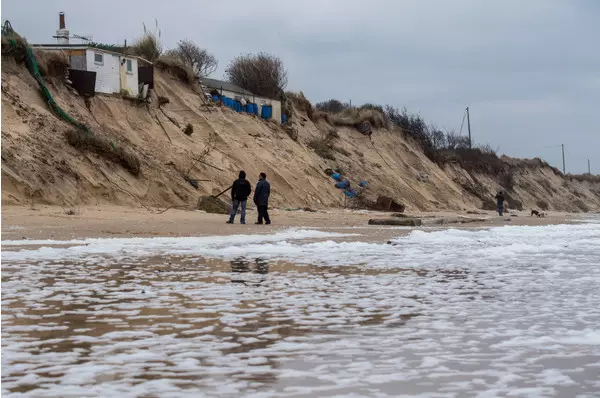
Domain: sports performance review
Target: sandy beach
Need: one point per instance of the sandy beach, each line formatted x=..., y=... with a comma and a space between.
x=52, y=222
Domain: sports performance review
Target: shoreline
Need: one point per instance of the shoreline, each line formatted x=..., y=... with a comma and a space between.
x=51, y=222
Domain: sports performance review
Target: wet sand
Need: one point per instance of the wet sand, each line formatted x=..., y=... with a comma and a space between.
x=50, y=222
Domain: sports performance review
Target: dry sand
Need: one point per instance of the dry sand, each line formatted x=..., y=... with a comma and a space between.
x=49, y=222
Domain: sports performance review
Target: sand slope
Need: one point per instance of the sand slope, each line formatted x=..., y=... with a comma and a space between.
x=39, y=165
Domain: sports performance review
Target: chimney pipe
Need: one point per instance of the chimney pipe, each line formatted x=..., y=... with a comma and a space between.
x=62, y=33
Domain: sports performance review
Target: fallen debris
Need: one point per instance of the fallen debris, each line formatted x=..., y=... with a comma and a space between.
x=211, y=204
x=403, y=222
x=385, y=203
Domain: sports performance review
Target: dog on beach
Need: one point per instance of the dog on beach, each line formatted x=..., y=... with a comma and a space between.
x=538, y=213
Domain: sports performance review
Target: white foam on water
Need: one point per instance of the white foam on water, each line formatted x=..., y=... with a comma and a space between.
x=508, y=311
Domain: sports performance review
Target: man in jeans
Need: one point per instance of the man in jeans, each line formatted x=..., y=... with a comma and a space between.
x=240, y=190
x=500, y=202
x=261, y=198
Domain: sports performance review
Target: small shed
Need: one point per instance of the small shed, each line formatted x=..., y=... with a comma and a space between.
x=115, y=73
x=230, y=90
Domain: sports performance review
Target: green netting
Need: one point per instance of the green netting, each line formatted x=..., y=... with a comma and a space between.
x=33, y=68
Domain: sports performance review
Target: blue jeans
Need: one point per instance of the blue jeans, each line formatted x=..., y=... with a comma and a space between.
x=500, y=209
x=234, y=208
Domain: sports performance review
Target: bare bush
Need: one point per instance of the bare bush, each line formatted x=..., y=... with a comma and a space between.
x=438, y=139
x=454, y=141
x=332, y=106
x=198, y=59
x=149, y=46
x=262, y=74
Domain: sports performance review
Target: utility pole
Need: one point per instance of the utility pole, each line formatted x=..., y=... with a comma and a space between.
x=589, y=169
x=563, y=154
x=469, y=128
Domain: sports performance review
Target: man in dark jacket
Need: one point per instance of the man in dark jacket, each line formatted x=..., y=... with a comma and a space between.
x=261, y=198
x=240, y=190
x=500, y=201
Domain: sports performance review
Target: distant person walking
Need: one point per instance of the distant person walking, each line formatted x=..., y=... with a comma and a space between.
x=240, y=190
x=261, y=198
x=500, y=201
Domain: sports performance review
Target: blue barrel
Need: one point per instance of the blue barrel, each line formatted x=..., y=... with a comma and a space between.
x=283, y=118
x=343, y=185
x=336, y=176
x=215, y=98
x=230, y=102
x=267, y=112
x=238, y=106
x=255, y=106
x=250, y=108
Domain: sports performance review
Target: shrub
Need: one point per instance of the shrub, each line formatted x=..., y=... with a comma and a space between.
x=261, y=74
x=52, y=63
x=189, y=129
x=300, y=102
x=319, y=115
x=198, y=59
x=322, y=148
x=148, y=46
x=86, y=141
x=542, y=204
x=355, y=117
x=174, y=66
x=332, y=106
x=591, y=178
x=163, y=100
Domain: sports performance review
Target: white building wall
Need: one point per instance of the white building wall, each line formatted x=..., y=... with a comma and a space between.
x=107, y=72
x=129, y=80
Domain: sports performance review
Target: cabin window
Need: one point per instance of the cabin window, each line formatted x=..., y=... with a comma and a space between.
x=129, y=66
x=99, y=58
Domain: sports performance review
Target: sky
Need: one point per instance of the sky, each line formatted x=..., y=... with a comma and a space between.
x=528, y=70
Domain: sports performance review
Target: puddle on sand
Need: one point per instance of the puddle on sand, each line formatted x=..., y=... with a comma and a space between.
x=181, y=325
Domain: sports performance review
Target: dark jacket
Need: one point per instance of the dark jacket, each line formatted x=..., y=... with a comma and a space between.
x=500, y=199
x=241, y=189
x=262, y=192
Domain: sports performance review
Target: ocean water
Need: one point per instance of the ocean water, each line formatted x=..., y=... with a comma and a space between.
x=508, y=311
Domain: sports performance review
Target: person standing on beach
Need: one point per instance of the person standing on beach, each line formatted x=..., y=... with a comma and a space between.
x=261, y=199
x=500, y=201
x=240, y=190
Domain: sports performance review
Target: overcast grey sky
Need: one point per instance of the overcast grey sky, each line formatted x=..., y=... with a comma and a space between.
x=529, y=69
